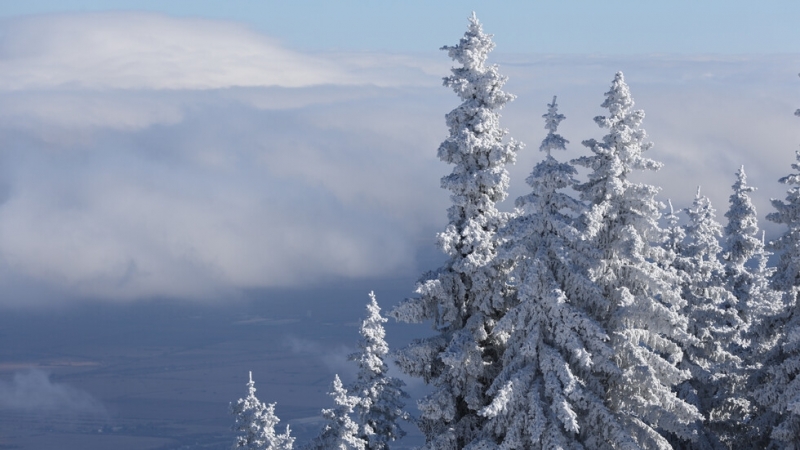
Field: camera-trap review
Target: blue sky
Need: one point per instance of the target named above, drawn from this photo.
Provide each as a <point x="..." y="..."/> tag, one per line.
<point x="196" y="150"/>
<point x="577" y="26"/>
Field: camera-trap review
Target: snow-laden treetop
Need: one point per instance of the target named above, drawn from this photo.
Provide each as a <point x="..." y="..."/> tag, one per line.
<point x="552" y="118"/>
<point x="469" y="82"/>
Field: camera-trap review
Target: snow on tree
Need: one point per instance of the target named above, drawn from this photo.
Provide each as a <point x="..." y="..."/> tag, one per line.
<point x="741" y="234"/>
<point x="759" y="306"/>
<point x="340" y="431"/>
<point x="674" y="237"/>
<point x="748" y="274"/>
<point x="777" y="387"/>
<point x="550" y="391"/>
<point x="465" y="298"/>
<point x="380" y="404"/>
<point x="716" y="387"/>
<point x="643" y="318"/>
<point x="256" y="423"/>
<point x="787" y="274"/>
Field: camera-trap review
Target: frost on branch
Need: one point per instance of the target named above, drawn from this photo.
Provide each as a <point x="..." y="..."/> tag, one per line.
<point x="255" y="423"/>
<point x="465" y="297"/>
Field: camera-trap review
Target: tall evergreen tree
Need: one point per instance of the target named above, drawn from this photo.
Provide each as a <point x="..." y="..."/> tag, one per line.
<point x="380" y="397"/>
<point x="465" y="298"/>
<point x="759" y="305"/>
<point x="787" y="274"/>
<point x="256" y="422"/>
<point x="778" y="385"/>
<point x="716" y="387"/>
<point x="748" y="273"/>
<point x="550" y="392"/>
<point x="643" y="318"/>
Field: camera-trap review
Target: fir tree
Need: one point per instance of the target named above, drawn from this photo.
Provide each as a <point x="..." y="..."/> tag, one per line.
<point x="256" y="423"/>
<point x="777" y="387"/>
<point x="465" y="298"/>
<point x="748" y="273"/>
<point x="340" y="431"/>
<point x="643" y="318"/>
<point x="550" y="392"/>
<point x="717" y="384"/>
<point x="759" y="305"/>
<point x="787" y="274"/>
<point x="380" y="397"/>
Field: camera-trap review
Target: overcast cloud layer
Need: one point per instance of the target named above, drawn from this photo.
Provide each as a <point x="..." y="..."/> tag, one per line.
<point x="146" y="156"/>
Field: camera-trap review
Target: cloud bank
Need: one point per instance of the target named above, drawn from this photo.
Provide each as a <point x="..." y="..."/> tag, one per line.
<point x="101" y="51"/>
<point x="143" y="156"/>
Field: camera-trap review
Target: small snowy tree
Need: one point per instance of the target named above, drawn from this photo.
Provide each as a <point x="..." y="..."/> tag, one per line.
<point x="717" y="384"/>
<point x="465" y="298"/>
<point x="550" y="391"/>
<point x="256" y="423"/>
<point x="340" y="431"/>
<point x="643" y="319"/>
<point x="380" y="397"/>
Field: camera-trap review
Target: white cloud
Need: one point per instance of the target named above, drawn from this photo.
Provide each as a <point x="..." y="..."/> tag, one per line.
<point x="148" y="51"/>
<point x="102" y="51"/>
<point x="145" y="156"/>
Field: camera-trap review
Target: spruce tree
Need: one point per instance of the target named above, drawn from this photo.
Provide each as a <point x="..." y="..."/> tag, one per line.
<point x="468" y="295"/>
<point x="380" y="397"/>
<point x="550" y="392"/>
<point x="759" y="305"/>
<point x="643" y="317"/>
<point x="777" y="387"/>
<point x="256" y="422"/>
<point x="340" y="431"/>
<point x="787" y="274"/>
<point x="748" y="273"/>
<point x="716" y="387"/>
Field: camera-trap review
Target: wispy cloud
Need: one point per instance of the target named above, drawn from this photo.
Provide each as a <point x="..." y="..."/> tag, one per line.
<point x="148" y="51"/>
<point x="33" y="392"/>
<point x="102" y="51"/>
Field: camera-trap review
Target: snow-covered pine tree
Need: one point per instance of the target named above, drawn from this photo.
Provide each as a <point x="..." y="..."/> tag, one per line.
<point x="340" y="431"/>
<point x="550" y="393"/>
<point x="787" y="274"/>
<point x="748" y="274"/>
<point x="256" y="423"/>
<point x="464" y="298"/>
<point x="777" y="387"/>
<point x="759" y="305"/>
<point x="380" y="405"/>
<point x="717" y="385"/>
<point x="644" y="317"/>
